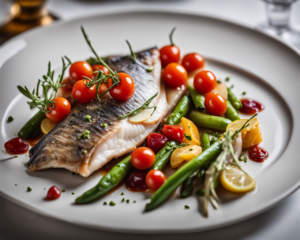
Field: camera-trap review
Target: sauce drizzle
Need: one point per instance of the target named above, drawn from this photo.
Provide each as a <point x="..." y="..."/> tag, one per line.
<point x="258" y="154"/>
<point x="251" y="106"/>
<point x="16" y="146"/>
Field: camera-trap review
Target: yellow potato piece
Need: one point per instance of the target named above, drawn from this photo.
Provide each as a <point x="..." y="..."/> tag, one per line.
<point x="235" y="180"/>
<point x="182" y="155"/>
<point x="47" y="125"/>
<point x="190" y="129"/>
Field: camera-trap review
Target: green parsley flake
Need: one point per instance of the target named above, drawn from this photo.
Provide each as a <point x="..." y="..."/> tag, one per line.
<point x="227" y="79"/>
<point x="88" y="117"/>
<point x="105" y="203"/>
<point x="244" y="93"/>
<point x="122" y="193"/>
<point x="200" y="192"/>
<point x="16" y="156"/>
<point x="232" y="86"/>
<point x="73" y="193"/>
<point x="243" y="158"/>
<point x="103" y="125"/>
<point x="100" y="109"/>
<point x="218" y="81"/>
<point x="186" y="206"/>
<point x="29" y="189"/>
<point x="10" y="119"/>
<point x="63" y="190"/>
<point x="188" y="137"/>
<point x="111" y="203"/>
<point x="134" y="201"/>
<point x="123" y="199"/>
<point x="16" y="184"/>
<point x="191" y="149"/>
<point x="127" y="200"/>
<point x="85" y="134"/>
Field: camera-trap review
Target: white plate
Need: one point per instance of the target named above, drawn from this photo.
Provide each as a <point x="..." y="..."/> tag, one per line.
<point x="263" y="66"/>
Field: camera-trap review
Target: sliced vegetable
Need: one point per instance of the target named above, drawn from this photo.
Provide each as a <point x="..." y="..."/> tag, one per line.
<point x="231" y="112"/>
<point x="197" y="98"/>
<point x="47" y="125"/>
<point x="235" y="102"/>
<point x="32" y="125"/>
<point x="215" y="104"/>
<point x="180" y="111"/>
<point x="209" y="121"/>
<point x="182" y="155"/>
<point x="190" y="129"/>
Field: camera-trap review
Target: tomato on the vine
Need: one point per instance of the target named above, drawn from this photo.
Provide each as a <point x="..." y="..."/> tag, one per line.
<point x="192" y="62"/>
<point x="175" y="75"/>
<point x="156" y="141"/>
<point x="59" y="111"/>
<point x="80" y="69"/>
<point x="215" y="103"/>
<point x="173" y="132"/>
<point x="83" y="94"/>
<point x="97" y="67"/>
<point x="142" y="158"/>
<point x="102" y="88"/>
<point x="205" y="81"/>
<point x="124" y="89"/>
<point x="155" y="178"/>
<point x="169" y="54"/>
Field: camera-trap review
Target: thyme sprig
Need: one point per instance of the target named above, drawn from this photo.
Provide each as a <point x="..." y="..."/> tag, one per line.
<point x="143" y="107"/>
<point x="47" y="83"/>
<point x="134" y="58"/>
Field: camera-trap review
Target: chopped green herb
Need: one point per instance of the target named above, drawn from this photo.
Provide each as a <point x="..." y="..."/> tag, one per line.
<point x="191" y="149"/>
<point x="243" y="158"/>
<point x="227" y="79"/>
<point x="134" y="201"/>
<point x="218" y="81"/>
<point x="29" y="189"/>
<point x="73" y="193"/>
<point x="122" y="193"/>
<point x="186" y="206"/>
<point x="44" y="188"/>
<point x="188" y="137"/>
<point x="16" y="184"/>
<point x="10" y="119"/>
<point x="111" y="203"/>
<point x="127" y="200"/>
<point x="63" y="190"/>
<point x="105" y="203"/>
<point x="103" y="125"/>
<point x="200" y="192"/>
<point x="85" y="134"/>
<point x="189" y="127"/>
<point x="244" y="93"/>
<point x="232" y="86"/>
<point x="123" y="199"/>
<point x="88" y="117"/>
<point x="100" y="109"/>
<point x="16" y="156"/>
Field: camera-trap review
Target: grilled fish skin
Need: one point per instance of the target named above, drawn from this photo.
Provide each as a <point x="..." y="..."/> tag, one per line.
<point x="62" y="148"/>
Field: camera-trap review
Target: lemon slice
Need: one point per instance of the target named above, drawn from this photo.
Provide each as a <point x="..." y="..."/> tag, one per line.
<point x="235" y="180"/>
<point x="182" y="155"/>
<point x="236" y="125"/>
<point x="47" y="125"/>
<point x="190" y="131"/>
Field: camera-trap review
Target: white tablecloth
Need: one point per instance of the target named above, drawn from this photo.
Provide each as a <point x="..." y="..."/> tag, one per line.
<point x="280" y="222"/>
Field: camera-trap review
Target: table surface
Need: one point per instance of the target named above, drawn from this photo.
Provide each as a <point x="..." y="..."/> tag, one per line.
<point x="280" y="222"/>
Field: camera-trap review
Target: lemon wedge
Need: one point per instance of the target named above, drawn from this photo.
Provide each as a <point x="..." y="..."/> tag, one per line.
<point x="182" y="155"/>
<point x="235" y="180"/>
<point x="191" y="132"/>
<point x="47" y="125"/>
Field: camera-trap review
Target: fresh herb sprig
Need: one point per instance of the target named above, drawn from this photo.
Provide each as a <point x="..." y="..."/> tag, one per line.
<point x="134" y="58"/>
<point x="47" y="83"/>
<point x="143" y="107"/>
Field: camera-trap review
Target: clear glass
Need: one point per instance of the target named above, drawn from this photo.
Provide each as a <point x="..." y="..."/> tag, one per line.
<point x="278" y="14"/>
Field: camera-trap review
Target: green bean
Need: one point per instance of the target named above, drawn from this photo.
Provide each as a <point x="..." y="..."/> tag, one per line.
<point x="113" y="178"/>
<point x="183" y="173"/>
<point x="205" y="141"/>
<point x="209" y="121"/>
<point x="231" y="112"/>
<point x="163" y="156"/>
<point x="197" y="98"/>
<point x="33" y="124"/>
<point x="187" y="186"/>
<point x="236" y="103"/>
<point x="180" y="111"/>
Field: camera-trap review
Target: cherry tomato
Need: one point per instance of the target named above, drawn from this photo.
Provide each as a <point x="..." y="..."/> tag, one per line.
<point x="16" y="146"/>
<point x="80" y="69"/>
<point x="124" y="90"/>
<point x="205" y="81"/>
<point x="61" y="109"/>
<point x="192" y="61"/>
<point x="137" y="181"/>
<point x="173" y="132"/>
<point x="82" y="93"/>
<point x="215" y="103"/>
<point x="169" y="54"/>
<point x="142" y="158"/>
<point x="97" y="67"/>
<point x="103" y="87"/>
<point x="156" y="141"/>
<point x="53" y="193"/>
<point x="155" y="178"/>
<point x="175" y="75"/>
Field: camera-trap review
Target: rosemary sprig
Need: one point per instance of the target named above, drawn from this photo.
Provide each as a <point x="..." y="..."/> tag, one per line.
<point x="134" y="58"/>
<point x="144" y="106"/>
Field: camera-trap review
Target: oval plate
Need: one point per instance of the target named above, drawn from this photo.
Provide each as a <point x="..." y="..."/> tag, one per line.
<point x="263" y="66"/>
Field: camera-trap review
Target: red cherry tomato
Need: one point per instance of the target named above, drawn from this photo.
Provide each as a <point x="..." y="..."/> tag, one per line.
<point x="175" y="75"/>
<point x="205" y="81"/>
<point x="156" y="141"/>
<point x="137" y="181"/>
<point x="173" y="132"/>
<point x="82" y="93"/>
<point x="215" y="103"/>
<point x="155" y="178"/>
<point x="61" y="109"/>
<point x="16" y="146"/>
<point x="102" y="88"/>
<point x="53" y="193"/>
<point x="192" y="61"/>
<point x="97" y="67"/>
<point x="124" y="90"/>
<point x="169" y="54"/>
<point x="142" y="158"/>
<point x="80" y="69"/>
